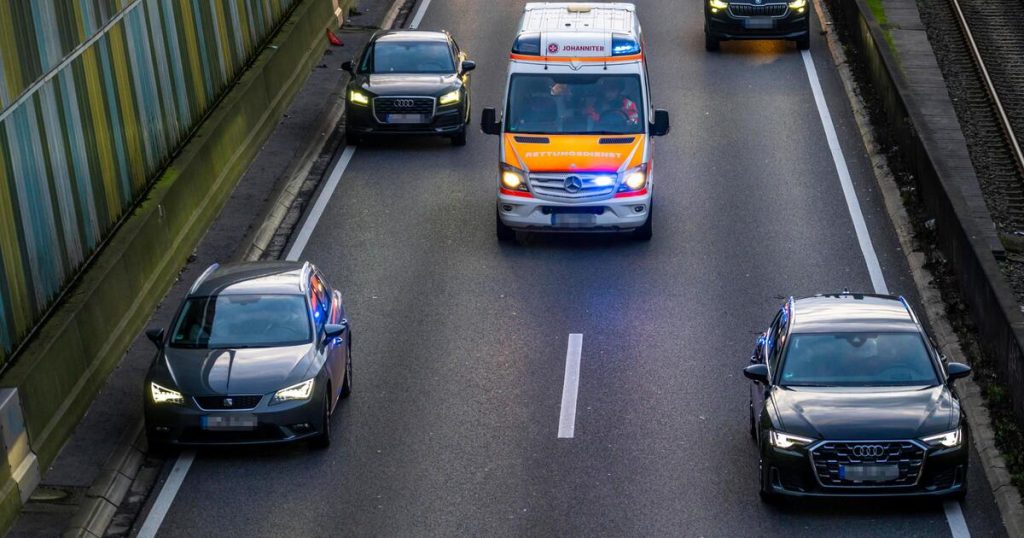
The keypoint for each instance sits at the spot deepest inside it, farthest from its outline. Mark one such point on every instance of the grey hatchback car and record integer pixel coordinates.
(257, 353)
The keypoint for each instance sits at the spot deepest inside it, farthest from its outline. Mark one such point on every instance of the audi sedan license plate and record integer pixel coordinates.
(869, 473)
(405, 118)
(573, 220)
(759, 23)
(229, 422)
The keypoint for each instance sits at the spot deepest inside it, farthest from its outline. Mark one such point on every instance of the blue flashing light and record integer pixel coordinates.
(604, 181)
(622, 46)
(527, 44)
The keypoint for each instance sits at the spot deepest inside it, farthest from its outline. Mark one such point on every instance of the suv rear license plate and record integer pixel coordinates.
(573, 220)
(869, 473)
(406, 118)
(229, 422)
(759, 23)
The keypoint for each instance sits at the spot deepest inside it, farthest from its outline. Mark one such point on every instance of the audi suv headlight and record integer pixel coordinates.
(950, 439)
(718, 4)
(451, 97)
(358, 98)
(163, 395)
(298, 391)
(785, 440)
(513, 178)
(798, 4)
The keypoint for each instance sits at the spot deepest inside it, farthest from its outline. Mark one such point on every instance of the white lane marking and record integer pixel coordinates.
(419, 14)
(570, 387)
(163, 501)
(321, 203)
(863, 237)
(954, 514)
(955, 518)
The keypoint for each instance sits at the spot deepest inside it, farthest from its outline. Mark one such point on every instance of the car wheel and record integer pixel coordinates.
(753, 425)
(346, 385)
(459, 138)
(711, 44)
(504, 233)
(646, 230)
(351, 138)
(804, 42)
(323, 439)
(157, 447)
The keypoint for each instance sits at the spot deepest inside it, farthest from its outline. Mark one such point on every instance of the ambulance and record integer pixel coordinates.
(577, 124)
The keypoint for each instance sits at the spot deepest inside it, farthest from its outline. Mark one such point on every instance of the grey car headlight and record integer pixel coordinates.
(298, 391)
(163, 395)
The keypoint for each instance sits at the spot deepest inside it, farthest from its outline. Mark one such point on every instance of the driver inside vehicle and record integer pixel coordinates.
(613, 107)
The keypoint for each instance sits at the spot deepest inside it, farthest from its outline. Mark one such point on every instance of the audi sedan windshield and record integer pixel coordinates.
(238, 321)
(858, 359)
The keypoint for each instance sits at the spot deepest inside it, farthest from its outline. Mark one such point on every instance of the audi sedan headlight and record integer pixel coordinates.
(358, 98)
(162, 395)
(785, 440)
(298, 391)
(451, 97)
(950, 439)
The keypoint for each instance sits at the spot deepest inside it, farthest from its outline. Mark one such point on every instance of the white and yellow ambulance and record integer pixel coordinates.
(577, 123)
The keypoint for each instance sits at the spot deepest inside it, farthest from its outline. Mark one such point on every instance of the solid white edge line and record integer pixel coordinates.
(955, 518)
(321, 203)
(419, 14)
(170, 490)
(863, 237)
(570, 387)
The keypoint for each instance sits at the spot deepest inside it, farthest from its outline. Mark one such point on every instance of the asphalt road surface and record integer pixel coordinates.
(460, 343)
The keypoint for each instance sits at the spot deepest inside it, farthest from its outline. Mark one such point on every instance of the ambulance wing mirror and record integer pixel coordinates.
(660, 126)
(489, 123)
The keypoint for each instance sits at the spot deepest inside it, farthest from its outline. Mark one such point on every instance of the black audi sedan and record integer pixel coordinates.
(756, 19)
(409, 82)
(850, 398)
(257, 353)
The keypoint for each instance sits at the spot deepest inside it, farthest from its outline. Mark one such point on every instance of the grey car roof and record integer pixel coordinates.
(411, 35)
(852, 313)
(252, 277)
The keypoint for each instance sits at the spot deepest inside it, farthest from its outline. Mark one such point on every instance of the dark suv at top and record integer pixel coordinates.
(850, 398)
(411, 82)
(756, 19)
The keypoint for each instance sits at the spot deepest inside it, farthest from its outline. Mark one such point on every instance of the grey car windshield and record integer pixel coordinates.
(236, 321)
(575, 104)
(857, 359)
(408, 57)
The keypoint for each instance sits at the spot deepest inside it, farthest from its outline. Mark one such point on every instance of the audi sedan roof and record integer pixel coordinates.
(852, 312)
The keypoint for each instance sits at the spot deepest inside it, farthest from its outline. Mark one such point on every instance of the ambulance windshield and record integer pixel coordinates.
(575, 104)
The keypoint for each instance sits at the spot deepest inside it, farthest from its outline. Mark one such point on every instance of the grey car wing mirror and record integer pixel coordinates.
(757, 372)
(335, 330)
(156, 336)
(957, 370)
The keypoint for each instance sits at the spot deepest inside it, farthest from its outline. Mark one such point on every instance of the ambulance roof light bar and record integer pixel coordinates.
(528, 44)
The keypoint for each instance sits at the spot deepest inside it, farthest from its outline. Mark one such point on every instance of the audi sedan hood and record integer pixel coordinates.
(409, 85)
(238, 371)
(870, 413)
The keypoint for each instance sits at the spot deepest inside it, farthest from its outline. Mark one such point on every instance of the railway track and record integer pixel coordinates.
(980, 48)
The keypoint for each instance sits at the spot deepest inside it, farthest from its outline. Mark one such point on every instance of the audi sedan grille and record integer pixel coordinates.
(231, 402)
(383, 107)
(747, 10)
(829, 457)
(573, 186)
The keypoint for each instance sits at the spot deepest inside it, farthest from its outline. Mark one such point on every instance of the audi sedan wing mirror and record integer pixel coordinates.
(957, 370)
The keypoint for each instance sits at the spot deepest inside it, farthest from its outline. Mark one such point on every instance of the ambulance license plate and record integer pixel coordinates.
(573, 220)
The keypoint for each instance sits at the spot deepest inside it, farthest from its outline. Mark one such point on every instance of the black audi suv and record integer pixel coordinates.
(756, 19)
(409, 82)
(257, 353)
(850, 398)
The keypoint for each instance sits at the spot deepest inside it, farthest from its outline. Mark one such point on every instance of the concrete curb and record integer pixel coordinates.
(1007, 497)
(106, 493)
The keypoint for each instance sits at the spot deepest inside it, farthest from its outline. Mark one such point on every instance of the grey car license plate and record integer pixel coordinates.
(406, 118)
(573, 220)
(229, 422)
(869, 473)
(759, 23)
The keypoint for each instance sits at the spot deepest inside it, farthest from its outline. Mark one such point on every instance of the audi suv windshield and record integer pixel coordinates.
(408, 57)
(857, 359)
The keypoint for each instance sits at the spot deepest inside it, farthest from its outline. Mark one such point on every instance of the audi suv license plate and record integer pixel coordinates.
(229, 422)
(406, 118)
(759, 23)
(869, 473)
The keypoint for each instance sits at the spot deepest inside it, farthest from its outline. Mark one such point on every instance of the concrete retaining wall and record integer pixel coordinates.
(67, 362)
(964, 236)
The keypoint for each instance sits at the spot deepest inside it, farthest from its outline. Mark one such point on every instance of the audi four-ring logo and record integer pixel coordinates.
(404, 103)
(868, 451)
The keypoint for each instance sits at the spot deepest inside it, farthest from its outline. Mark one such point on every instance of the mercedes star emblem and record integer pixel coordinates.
(573, 184)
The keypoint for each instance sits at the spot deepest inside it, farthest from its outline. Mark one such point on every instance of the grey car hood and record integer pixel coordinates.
(201, 372)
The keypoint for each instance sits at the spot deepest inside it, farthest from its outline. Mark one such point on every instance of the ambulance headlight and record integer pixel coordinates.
(512, 178)
(634, 179)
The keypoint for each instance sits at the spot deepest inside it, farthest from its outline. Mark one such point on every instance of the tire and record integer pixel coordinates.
(323, 439)
(711, 44)
(504, 233)
(804, 43)
(346, 385)
(753, 425)
(646, 230)
(156, 447)
(459, 138)
(351, 138)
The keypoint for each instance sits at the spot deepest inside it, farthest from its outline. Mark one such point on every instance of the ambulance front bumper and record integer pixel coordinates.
(609, 215)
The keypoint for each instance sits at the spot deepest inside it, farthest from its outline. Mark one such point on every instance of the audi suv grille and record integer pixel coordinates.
(581, 187)
(747, 10)
(907, 455)
(245, 401)
(382, 106)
